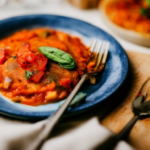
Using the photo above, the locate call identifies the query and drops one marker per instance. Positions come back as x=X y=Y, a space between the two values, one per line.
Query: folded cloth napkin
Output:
x=16 y=135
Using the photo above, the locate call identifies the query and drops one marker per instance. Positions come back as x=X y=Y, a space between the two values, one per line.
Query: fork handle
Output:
x=111 y=142
x=53 y=120
x=126 y=130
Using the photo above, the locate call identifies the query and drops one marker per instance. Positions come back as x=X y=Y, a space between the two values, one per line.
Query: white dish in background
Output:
x=130 y=35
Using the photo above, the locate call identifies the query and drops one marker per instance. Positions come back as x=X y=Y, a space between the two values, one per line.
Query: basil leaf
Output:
x=148 y=1
x=78 y=98
x=64 y=59
x=45 y=34
x=28 y=74
x=143 y=11
x=14 y=57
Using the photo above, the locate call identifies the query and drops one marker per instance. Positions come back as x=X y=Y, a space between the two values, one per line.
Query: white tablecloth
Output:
x=16 y=135
x=12 y=132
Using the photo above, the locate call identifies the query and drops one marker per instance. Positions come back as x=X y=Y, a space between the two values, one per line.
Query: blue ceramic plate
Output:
x=111 y=79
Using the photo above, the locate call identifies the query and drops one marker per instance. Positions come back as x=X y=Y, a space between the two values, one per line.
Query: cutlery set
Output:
x=140 y=108
x=101 y=49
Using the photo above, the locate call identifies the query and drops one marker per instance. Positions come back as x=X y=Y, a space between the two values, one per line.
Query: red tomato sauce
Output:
x=28 y=77
x=127 y=14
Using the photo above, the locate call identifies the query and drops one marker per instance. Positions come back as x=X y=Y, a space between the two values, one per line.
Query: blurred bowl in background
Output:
x=130 y=35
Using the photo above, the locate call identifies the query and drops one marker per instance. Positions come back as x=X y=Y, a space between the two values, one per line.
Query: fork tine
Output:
x=105 y=54
x=97 y=50
x=93 y=45
x=100 y=56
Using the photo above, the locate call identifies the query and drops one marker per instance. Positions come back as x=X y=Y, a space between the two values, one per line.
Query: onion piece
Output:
x=7 y=82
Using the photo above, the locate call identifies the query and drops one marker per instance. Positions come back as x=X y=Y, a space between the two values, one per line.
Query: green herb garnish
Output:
x=45 y=34
x=14 y=57
x=77 y=99
x=146 y=11
x=28 y=74
x=64 y=59
x=148 y=1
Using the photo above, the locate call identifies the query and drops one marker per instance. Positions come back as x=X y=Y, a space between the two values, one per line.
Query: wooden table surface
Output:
x=119 y=111
x=120 y=103
x=115 y=121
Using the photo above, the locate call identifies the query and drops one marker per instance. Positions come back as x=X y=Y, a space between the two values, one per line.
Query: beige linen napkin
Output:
x=82 y=132
x=16 y=135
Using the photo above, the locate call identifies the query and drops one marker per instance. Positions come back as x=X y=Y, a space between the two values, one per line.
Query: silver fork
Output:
x=101 y=50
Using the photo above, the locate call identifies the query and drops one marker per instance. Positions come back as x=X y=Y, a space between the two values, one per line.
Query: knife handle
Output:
x=111 y=142
x=126 y=130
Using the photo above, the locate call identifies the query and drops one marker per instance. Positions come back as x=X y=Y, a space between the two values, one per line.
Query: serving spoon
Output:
x=101 y=51
x=140 y=109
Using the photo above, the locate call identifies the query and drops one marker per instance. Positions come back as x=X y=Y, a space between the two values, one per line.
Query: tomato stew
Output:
x=128 y=14
x=28 y=77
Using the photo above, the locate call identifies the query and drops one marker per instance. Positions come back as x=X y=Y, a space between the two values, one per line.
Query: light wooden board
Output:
x=140 y=134
x=121 y=114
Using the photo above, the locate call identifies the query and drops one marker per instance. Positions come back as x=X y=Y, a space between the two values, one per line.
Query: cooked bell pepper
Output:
x=1 y=73
x=2 y=55
x=24 y=50
x=22 y=53
x=41 y=62
x=30 y=58
x=65 y=82
x=22 y=61
x=37 y=77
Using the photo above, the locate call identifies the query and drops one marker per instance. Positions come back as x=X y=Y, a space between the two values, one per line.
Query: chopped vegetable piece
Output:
x=8 y=79
x=41 y=61
x=28 y=74
x=30 y=58
x=1 y=73
x=148 y=1
x=16 y=99
x=22 y=53
x=64 y=59
x=21 y=61
x=14 y=57
x=63 y=94
x=24 y=50
x=45 y=34
x=78 y=98
x=7 y=82
x=91 y=65
x=65 y=82
x=34 y=100
x=145 y=12
x=37 y=77
x=2 y=56
x=51 y=95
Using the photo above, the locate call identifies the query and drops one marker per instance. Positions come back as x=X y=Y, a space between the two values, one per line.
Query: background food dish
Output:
x=114 y=74
x=130 y=35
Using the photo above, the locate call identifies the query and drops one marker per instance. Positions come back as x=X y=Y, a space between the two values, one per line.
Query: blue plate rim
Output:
x=74 y=111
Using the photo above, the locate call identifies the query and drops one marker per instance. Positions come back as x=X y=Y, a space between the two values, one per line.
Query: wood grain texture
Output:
x=119 y=110
x=140 y=134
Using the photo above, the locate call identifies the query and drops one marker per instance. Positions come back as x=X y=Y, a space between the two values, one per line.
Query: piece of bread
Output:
x=85 y=4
